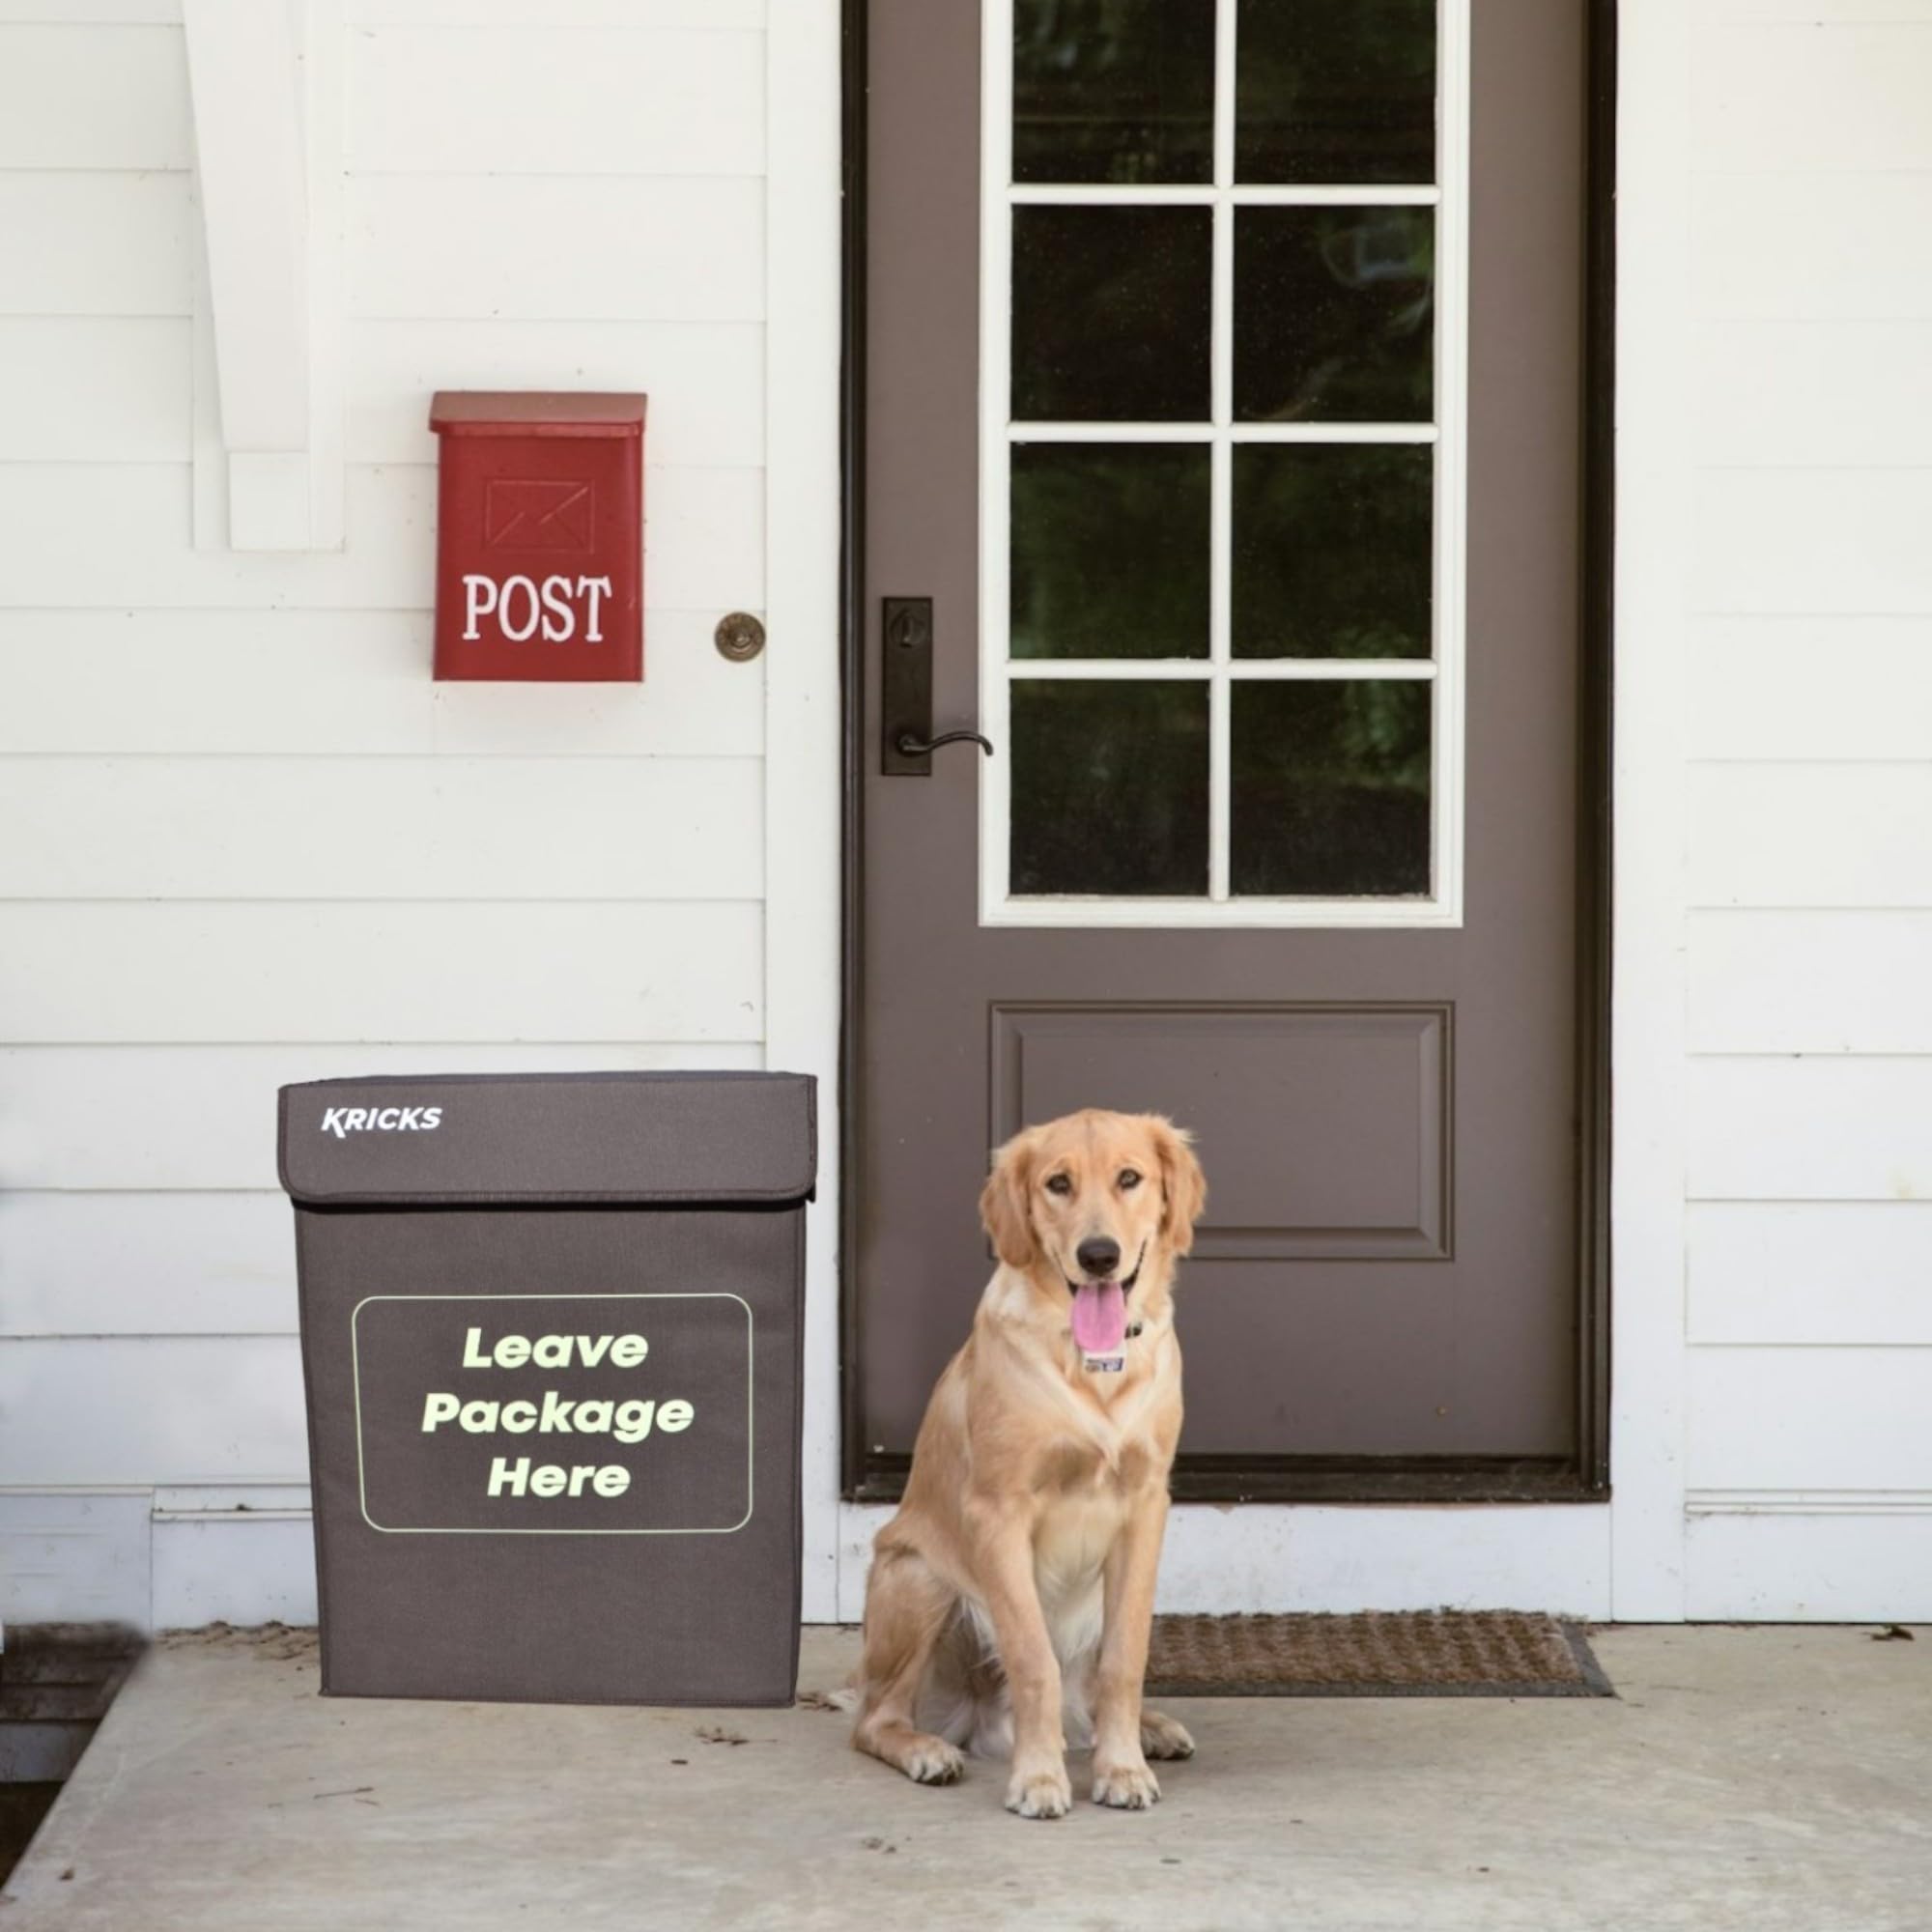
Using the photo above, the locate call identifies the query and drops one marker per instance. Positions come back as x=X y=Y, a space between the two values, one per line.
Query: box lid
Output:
x=536 y=412
x=650 y=1139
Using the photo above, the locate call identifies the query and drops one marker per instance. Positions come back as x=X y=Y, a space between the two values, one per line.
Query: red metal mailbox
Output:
x=540 y=532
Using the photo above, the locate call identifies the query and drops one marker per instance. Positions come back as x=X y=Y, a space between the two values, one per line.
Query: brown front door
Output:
x=1224 y=468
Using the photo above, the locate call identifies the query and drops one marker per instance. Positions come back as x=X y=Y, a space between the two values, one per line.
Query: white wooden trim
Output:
x=1263 y=669
x=244 y=74
x=74 y=1555
x=1809 y=1502
x=265 y=85
x=1648 y=1035
x=1071 y=909
x=1255 y=195
x=803 y=736
x=1022 y=431
x=1220 y=486
x=996 y=245
x=325 y=60
x=1455 y=106
x=1334 y=432
x=1284 y=1557
x=1442 y=907
x=1832 y=1567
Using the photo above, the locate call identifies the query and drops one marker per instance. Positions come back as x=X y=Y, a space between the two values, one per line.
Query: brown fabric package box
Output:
x=551 y=1330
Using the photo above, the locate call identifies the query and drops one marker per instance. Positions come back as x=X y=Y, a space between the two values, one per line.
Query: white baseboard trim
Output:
x=1264 y=1556
x=1807 y=1565
x=1809 y=1502
x=185 y=1554
x=75 y=1557
x=166 y=1558
x=231 y=1567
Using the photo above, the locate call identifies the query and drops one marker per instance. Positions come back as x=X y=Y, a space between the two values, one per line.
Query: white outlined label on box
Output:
x=588 y=1415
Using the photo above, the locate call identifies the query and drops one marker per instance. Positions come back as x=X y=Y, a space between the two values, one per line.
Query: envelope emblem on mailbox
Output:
x=540 y=513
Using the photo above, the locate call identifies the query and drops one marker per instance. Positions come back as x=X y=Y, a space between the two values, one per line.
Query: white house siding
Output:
x=246 y=840
x=1808 y=805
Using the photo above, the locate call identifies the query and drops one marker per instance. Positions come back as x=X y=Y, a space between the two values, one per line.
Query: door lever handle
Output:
x=912 y=745
x=907 y=740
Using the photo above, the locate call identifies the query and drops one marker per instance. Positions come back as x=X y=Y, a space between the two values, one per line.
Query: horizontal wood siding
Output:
x=1795 y=690
x=555 y=247
x=132 y=86
x=94 y=1410
x=90 y=535
x=95 y=389
x=195 y=1118
x=305 y=683
x=1832 y=1272
x=384 y=828
x=557 y=14
x=617 y=101
x=1820 y=836
x=1795 y=1418
x=1811 y=1127
x=248 y=839
x=1809 y=811
x=1810 y=981
x=289 y=970
x=84 y=243
x=706 y=380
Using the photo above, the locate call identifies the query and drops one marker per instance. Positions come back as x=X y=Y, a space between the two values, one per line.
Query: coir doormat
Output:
x=1376 y=1654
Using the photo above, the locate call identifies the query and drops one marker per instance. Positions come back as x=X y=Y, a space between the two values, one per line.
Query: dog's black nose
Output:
x=1097 y=1257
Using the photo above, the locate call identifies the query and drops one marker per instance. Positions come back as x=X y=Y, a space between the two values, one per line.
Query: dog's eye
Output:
x=1058 y=1183
x=1129 y=1178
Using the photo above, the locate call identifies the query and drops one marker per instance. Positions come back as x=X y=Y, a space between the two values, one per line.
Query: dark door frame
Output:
x=1583 y=1474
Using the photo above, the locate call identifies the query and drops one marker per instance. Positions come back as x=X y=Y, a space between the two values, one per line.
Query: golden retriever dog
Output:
x=1012 y=1597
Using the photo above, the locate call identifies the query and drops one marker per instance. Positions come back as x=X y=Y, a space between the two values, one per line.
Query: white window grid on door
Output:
x=1443 y=670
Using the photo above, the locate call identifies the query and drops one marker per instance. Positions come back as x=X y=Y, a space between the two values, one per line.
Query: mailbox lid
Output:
x=572 y=412
x=537 y=1139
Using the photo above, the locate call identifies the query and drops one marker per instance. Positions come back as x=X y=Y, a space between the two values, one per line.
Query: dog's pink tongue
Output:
x=1101 y=1317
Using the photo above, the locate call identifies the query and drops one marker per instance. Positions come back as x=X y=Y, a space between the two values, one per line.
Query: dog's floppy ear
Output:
x=1003 y=1202
x=1180 y=1176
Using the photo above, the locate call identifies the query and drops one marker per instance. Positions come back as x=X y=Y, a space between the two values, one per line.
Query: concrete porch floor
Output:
x=1752 y=1778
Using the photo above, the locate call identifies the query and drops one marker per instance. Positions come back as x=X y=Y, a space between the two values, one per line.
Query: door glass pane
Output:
x=1110 y=314
x=1335 y=91
x=1333 y=549
x=1227 y=264
x=1113 y=89
x=1331 y=787
x=1110 y=550
x=1109 y=787
x=1334 y=314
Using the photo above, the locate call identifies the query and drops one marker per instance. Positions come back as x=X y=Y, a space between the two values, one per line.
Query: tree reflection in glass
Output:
x=1329 y=789
x=1110 y=548
x=1334 y=314
x=1109 y=787
x=1112 y=91
x=1333 y=549
x=1335 y=91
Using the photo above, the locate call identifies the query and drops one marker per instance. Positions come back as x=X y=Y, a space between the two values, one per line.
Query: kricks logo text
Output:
x=344 y=1121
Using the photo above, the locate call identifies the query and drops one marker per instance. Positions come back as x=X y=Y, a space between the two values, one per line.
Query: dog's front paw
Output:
x=1041 y=1793
x=933 y=1761
x=1127 y=1787
x=1161 y=1737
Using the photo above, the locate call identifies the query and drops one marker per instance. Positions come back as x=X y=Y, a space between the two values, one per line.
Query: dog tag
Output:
x=1104 y=1365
